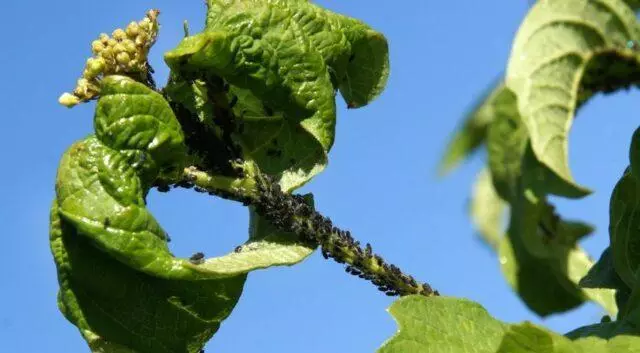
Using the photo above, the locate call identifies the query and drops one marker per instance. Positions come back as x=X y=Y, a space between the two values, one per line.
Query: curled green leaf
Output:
x=473 y=132
x=507 y=140
x=113 y=260
x=355 y=56
x=511 y=159
x=564 y=52
x=120 y=309
x=283 y=71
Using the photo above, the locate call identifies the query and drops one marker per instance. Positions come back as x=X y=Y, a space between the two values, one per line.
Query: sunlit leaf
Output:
x=442 y=324
x=119 y=282
x=564 y=52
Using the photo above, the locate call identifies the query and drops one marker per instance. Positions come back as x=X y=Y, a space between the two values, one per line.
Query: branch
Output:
x=290 y=213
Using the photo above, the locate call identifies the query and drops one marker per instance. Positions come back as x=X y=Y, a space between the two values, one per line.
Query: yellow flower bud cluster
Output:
x=124 y=53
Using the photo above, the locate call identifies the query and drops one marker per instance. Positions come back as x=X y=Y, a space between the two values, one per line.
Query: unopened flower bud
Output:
x=112 y=42
x=95 y=65
x=123 y=58
x=107 y=53
x=133 y=29
x=68 y=100
x=145 y=24
x=118 y=48
x=129 y=46
x=104 y=38
x=119 y=34
x=90 y=74
x=142 y=39
x=97 y=46
x=82 y=87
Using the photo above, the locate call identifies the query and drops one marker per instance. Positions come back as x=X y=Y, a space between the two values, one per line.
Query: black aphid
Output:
x=197 y=258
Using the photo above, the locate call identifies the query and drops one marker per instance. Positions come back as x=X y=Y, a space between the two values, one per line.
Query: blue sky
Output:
x=380 y=183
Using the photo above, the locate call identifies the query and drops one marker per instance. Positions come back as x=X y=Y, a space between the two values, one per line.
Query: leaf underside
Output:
x=564 y=52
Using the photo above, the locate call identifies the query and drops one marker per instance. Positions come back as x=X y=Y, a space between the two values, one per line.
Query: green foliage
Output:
x=443 y=325
x=623 y=227
x=249 y=114
x=103 y=237
x=473 y=132
x=440 y=324
x=284 y=70
x=251 y=96
x=487 y=210
x=564 y=52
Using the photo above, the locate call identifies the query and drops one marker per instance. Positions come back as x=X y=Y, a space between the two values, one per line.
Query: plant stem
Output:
x=290 y=213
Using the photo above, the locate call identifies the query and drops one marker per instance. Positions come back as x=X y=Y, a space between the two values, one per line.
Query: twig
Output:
x=290 y=213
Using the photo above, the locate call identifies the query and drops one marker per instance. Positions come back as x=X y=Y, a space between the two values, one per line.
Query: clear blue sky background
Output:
x=381 y=182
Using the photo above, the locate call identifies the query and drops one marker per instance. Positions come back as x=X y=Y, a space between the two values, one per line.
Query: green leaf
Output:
x=542 y=263
x=540 y=259
x=120 y=309
x=266 y=247
x=507 y=140
x=118 y=222
x=473 y=131
x=441 y=324
x=279 y=146
x=487 y=210
x=284 y=72
x=634 y=4
x=603 y=274
x=512 y=161
x=549 y=285
x=130 y=116
x=604 y=330
x=624 y=224
x=564 y=52
x=538 y=282
x=627 y=325
x=529 y=338
x=119 y=282
x=634 y=154
x=354 y=55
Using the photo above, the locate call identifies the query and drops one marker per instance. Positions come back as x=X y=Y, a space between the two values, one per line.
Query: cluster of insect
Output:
x=293 y=214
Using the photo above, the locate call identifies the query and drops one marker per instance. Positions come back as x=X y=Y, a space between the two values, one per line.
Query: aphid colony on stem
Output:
x=291 y=213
